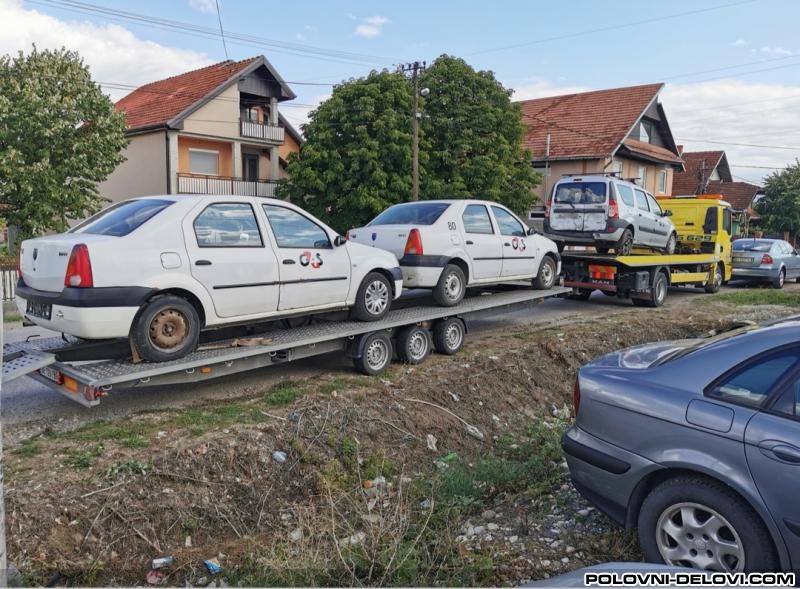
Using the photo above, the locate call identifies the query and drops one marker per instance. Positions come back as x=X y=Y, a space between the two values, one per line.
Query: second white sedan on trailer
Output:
x=161 y=269
x=450 y=245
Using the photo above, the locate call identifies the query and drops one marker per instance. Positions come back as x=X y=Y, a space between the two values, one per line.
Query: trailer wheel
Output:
x=658 y=292
x=448 y=335
x=376 y=354
x=413 y=344
x=167 y=328
x=714 y=285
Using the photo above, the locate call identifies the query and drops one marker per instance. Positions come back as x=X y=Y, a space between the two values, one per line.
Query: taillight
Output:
x=79 y=268
x=413 y=243
x=766 y=259
x=576 y=396
x=613 y=207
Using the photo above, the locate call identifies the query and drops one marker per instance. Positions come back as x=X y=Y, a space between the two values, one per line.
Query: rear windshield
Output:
x=752 y=245
x=580 y=193
x=121 y=219
x=417 y=213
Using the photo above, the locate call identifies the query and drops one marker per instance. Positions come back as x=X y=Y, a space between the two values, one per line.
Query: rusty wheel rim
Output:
x=168 y=329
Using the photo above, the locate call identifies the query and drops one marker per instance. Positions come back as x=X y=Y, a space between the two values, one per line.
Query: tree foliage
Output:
x=780 y=207
x=59 y=137
x=356 y=159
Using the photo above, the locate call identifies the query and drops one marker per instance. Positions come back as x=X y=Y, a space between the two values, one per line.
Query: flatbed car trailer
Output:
x=644 y=278
x=65 y=365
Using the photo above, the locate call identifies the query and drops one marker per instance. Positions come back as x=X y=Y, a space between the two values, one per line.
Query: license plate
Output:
x=50 y=374
x=742 y=260
x=40 y=310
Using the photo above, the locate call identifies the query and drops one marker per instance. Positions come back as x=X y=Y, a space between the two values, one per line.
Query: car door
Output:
x=644 y=220
x=230 y=257
x=772 y=447
x=313 y=272
x=482 y=242
x=662 y=227
x=518 y=259
x=791 y=259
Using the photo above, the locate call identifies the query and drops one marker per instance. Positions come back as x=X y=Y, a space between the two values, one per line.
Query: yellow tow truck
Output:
x=702 y=257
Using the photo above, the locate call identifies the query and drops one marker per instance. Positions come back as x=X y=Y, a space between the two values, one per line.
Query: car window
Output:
x=122 y=218
x=752 y=245
x=641 y=200
x=476 y=220
x=752 y=384
x=417 y=213
x=626 y=194
x=582 y=193
x=507 y=223
x=227 y=225
x=654 y=206
x=789 y=401
x=292 y=229
x=727 y=221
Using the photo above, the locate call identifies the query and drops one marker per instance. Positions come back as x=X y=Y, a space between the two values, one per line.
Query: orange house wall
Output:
x=225 y=154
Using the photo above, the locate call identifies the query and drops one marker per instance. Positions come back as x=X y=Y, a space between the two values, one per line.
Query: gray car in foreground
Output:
x=696 y=444
x=772 y=260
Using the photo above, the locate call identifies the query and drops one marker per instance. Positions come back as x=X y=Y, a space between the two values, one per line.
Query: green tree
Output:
x=59 y=137
x=780 y=207
x=475 y=134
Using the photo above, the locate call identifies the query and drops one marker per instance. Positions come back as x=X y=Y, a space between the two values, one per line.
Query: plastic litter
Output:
x=155 y=577
x=213 y=566
x=279 y=456
x=160 y=563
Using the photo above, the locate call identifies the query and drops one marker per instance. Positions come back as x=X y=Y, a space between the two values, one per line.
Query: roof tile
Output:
x=685 y=183
x=739 y=194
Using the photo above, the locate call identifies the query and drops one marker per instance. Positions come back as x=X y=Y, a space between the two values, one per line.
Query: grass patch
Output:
x=759 y=296
x=135 y=441
x=11 y=317
x=283 y=393
x=130 y=467
x=28 y=448
x=81 y=459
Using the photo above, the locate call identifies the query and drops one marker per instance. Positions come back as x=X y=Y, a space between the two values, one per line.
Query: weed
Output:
x=11 y=317
x=759 y=296
x=282 y=393
x=135 y=441
x=131 y=467
x=28 y=448
x=80 y=459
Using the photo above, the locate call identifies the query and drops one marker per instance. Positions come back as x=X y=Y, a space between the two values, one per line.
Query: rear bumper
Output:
x=107 y=296
x=422 y=271
x=755 y=273
x=611 y=234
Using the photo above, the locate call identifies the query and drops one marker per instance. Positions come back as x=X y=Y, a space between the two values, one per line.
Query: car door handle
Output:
x=470 y=242
x=507 y=244
x=787 y=453
x=288 y=262
x=202 y=263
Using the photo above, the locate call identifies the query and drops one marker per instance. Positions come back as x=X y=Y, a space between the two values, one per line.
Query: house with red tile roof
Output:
x=214 y=130
x=621 y=130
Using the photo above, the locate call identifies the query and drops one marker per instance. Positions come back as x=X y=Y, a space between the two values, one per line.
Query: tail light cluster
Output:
x=766 y=259
x=576 y=396
x=413 y=243
x=79 y=268
x=613 y=207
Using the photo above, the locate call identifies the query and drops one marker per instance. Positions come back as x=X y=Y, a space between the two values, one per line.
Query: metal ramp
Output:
x=17 y=363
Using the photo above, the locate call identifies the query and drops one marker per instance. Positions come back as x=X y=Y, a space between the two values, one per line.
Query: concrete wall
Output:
x=143 y=173
x=218 y=118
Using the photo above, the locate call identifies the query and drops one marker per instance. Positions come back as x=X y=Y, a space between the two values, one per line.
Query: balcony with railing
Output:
x=254 y=130
x=199 y=184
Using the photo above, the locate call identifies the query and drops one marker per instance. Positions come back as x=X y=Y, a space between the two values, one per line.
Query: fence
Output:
x=8 y=277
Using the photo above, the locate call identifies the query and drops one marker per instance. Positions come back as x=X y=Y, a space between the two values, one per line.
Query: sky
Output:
x=731 y=67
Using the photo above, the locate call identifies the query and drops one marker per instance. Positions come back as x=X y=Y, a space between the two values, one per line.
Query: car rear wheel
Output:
x=672 y=243
x=780 y=280
x=700 y=523
x=374 y=297
x=547 y=274
x=625 y=243
x=451 y=287
x=166 y=328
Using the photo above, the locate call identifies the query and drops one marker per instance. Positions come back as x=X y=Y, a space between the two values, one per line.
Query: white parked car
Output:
x=450 y=245
x=160 y=269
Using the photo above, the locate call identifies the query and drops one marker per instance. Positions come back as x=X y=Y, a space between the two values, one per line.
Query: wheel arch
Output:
x=461 y=263
x=189 y=296
x=387 y=274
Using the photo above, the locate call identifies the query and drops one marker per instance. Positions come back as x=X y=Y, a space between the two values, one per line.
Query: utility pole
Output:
x=415 y=68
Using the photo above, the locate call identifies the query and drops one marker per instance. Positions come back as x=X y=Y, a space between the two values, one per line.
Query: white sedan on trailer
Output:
x=450 y=245
x=160 y=269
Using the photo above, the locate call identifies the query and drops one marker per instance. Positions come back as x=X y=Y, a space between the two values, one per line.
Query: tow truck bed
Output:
x=86 y=382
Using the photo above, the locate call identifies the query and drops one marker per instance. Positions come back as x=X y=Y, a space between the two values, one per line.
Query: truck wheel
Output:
x=413 y=344
x=451 y=286
x=373 y=298
x=658 y=293
x=547 y=274
x=780 y=280
x=448 y=335
x=714 y=286
x=166 y=328
x=376 y=354
x=581 y=294
x=625 y=243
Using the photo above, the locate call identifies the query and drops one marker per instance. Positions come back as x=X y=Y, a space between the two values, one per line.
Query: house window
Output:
x=204 y=161
x=617 y=168
x=644 y=132
x=250 y=166
x=250 y=114
x=642 y=179
x=662 y=182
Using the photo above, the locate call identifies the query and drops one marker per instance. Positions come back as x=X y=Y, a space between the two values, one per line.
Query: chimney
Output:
x=680 y=149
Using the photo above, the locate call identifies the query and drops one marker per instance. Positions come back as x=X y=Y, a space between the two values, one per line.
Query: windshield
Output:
x=752 y=245
x=121 y=219
x=418 y=213
x=580 y=193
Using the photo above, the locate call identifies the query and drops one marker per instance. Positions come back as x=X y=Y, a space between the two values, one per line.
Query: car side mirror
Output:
x=339 y=241
x=666 y=213
x=794 y=252
x=531 y=231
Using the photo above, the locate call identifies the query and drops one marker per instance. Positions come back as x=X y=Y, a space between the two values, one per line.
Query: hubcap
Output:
x=168 y=329
x=452 y=286
x=671 y=244
x=453 y=336
x=547 y=273
x=781 y=278
x=377 y=297
x=377 y=353
x=690 y=534
x=417 y=345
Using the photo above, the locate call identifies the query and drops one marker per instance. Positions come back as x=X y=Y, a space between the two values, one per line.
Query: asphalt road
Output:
x=27 y=407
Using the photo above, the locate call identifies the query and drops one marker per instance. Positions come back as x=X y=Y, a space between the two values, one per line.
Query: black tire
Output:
x=609 y=293
x=602 y=250
x=714 y=286
x=672 y=243
x=413 y=344
x=451 y=287
x=625 y=244
x=560 y=245
x=374 y=298
x=742 y=522
x=449 y=335
x=658 y=292
x=376 y=354
x=581 y=294
x=166 y=328
x=780 y=280
x=546 y=278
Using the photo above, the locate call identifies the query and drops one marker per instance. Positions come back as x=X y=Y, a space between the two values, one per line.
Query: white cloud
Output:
x=298 y=115
x=205 y=6
x=370 y=27
x=113 y=53
x=776 y=51
x=540 y=88
x=740 y=43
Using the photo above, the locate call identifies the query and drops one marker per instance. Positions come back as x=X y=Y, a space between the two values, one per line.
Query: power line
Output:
x=221 y=32
x=741 y=144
